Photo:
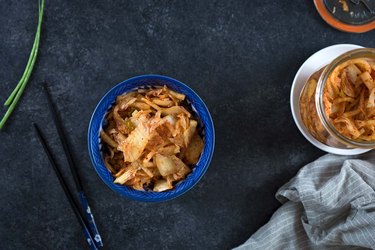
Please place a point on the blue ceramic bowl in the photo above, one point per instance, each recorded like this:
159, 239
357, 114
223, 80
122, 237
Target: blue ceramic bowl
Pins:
97, 121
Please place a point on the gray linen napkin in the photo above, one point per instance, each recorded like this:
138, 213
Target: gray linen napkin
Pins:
329, 204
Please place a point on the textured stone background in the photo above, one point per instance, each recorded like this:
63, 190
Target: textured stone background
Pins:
239, 56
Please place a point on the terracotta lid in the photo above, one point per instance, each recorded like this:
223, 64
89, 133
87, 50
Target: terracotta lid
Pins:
356, 16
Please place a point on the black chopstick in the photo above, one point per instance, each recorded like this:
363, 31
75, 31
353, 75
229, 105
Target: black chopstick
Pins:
73, 168
60, 131
66, 189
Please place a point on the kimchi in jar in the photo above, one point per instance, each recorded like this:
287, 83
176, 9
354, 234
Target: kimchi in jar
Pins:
337, 103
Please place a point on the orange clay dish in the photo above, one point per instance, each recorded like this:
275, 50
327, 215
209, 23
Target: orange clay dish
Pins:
348, 101
331, 20
151, 139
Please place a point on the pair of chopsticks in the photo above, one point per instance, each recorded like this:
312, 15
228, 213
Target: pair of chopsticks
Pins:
82, 212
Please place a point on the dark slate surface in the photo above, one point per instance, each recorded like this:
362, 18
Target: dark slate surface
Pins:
240, 57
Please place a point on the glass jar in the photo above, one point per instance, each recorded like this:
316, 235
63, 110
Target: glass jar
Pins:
314, 105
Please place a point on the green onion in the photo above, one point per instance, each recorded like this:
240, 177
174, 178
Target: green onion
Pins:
14, 97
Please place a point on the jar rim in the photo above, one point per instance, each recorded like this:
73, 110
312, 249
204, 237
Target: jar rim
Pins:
352, 54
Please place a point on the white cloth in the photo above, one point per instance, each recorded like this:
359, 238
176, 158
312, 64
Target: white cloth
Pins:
329, 204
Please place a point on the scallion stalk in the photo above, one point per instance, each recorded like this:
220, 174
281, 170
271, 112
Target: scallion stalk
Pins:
14, 97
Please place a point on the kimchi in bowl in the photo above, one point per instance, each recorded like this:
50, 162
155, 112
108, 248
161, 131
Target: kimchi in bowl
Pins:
98, 121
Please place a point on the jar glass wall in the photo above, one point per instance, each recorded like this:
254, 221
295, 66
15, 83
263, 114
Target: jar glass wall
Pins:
336, 105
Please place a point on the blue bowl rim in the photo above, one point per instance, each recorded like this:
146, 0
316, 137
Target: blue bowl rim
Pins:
174, 193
